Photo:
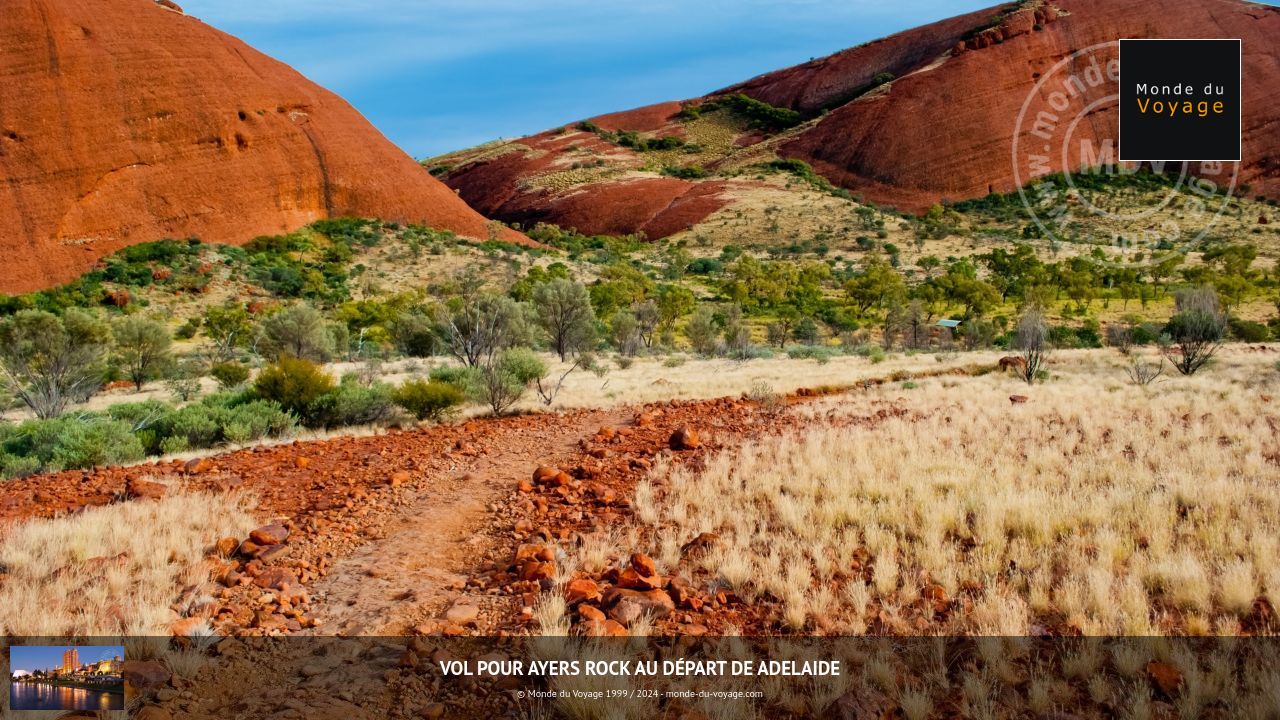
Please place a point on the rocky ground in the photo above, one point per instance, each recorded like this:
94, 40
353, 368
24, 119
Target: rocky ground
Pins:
440, 532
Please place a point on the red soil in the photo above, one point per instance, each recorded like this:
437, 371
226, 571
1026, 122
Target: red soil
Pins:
127, 121
645, 119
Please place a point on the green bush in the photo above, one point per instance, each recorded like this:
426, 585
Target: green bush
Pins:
1249, 331
812, 352
67, 443
463, 378
685, 172
502, 384
294, 384
428, 399
229, 374
220, 418
352, 403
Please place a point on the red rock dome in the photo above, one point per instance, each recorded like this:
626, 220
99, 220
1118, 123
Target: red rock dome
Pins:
124, 121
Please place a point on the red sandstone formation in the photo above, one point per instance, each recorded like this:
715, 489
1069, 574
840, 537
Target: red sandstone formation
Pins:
123, 121
943, 128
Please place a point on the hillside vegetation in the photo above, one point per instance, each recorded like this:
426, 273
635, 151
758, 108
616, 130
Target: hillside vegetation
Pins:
244, 340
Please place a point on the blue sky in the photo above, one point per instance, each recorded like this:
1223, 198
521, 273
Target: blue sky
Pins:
440, 75
45, 657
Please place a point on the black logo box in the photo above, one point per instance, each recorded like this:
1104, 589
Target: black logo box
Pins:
1180, 137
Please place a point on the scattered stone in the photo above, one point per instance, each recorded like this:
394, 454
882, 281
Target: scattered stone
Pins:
684, 438
655, 602
544, 474
276, 578
644, 565
198, 466
400, 478
153, 712
140, 489
462, 614
272, 534
581, 590
1165, 676
145, 675
226, 546
700, 544
629, 578
186, 627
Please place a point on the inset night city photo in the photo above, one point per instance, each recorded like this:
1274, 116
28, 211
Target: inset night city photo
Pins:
65, 677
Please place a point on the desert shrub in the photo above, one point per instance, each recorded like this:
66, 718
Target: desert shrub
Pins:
504, 381
428, 399
761, 115
229, 374
227, 417
1195, 331
463, 378
188, 329
414, 334
353, 403
70, 442
1249, 331
1120, 337
17, 466
705, 266
874, 353
812, 352
685, 172
48, 361
1145, 334
294, 384
183, 389
299, 331
142, 348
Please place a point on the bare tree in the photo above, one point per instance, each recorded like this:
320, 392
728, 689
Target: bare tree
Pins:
48, 362
1143, 373
1195, 331
1033, 340
481, 329
548, 390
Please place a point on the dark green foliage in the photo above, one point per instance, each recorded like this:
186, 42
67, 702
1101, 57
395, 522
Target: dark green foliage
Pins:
66, 443
705, 266
1249, 331
463, 378
685, 172
352, 403
229, 374
759, 114
428, 399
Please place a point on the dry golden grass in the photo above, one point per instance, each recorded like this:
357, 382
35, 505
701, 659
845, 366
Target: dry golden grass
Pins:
657, 379
1098, 505
82, 575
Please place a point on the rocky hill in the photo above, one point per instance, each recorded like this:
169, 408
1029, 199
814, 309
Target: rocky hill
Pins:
123, 121
910, 120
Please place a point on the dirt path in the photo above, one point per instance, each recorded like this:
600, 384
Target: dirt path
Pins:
419, 565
